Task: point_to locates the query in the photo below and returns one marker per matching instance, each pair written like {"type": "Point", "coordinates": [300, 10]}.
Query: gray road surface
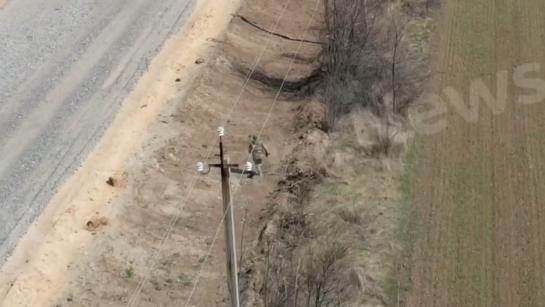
{"type": "Point", "coordinates": [65, 68]}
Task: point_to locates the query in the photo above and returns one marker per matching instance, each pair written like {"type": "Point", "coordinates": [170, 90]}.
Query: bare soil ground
{"type": "Point", "coordinates": [163, 184]}
{"type": "Point", "coordinates": [126, 243]}
{"type": "Point", "coordinates": [479, 187]}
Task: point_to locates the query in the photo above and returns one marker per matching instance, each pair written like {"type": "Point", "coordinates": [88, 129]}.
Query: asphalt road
{"type": "Point", "coordinates": [65, 68]}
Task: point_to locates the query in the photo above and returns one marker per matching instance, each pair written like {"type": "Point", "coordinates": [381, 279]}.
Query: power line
{"type": "Point", "coordinates": [277, 96]}
{"type": "Point", "coordinates": [134, 297]}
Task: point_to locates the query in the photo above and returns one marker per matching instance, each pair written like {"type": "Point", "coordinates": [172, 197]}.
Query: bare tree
{"type": "Point", "coordinates": [348, 32]}
{"type": "Point", "coordinates": [398, 25]}
{"type": "Point", "coordinates": [367, 57]}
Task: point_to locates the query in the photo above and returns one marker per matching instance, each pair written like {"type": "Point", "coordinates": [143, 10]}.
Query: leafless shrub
{"type": "Point", "coordinates": [385, 142]}
{"type": "Point", "coordinates": [312, 278]}
{"type": "Point", "coordinates": [321, 274]}
{"type": "Point", "coordinates": [348, 36]}
{"type": "Point", "coordinates": [367, 62]}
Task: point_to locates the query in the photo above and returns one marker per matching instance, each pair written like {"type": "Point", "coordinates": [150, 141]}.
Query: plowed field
{"type": "Point", "coordinates": [479, 186]}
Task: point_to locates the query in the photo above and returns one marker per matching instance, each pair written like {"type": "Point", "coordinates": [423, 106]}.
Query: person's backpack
{"type": "Point", "coordinates": [259, 149]}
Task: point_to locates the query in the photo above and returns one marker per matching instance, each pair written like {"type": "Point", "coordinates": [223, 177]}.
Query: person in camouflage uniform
{"type": "Point", "coordinates": [259, 152]}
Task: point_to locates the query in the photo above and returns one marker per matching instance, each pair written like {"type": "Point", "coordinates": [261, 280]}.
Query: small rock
{"type": "Point", "coordinates": [199, 61]}
{"type": "Point", "coordinates": [96, 223]}
{"type": "Point", "coordinates": [172, 157]}
{"type": "Point", "coordinates": [111, 181]}
{"type": "Point", "coordinates": [178, 80]}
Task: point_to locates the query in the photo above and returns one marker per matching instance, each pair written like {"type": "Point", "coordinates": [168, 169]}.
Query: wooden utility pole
{"type": "Point", "coordinates": [229, 222]}
{"type": "Point", "coordinates": [229, 218]}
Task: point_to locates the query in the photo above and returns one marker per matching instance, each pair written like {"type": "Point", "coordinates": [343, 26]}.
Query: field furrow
{"type": "Point", "coordinates": [479, 185]}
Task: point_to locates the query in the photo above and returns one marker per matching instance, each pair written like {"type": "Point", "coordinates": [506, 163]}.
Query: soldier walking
{"type": "Point", "coordinates": [259, 151]}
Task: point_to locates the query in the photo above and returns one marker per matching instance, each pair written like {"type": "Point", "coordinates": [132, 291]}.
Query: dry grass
{"type": "Point", "coordinates": [331, 241]}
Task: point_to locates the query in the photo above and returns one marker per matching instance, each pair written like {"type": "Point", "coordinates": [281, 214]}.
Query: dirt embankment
{"type": "Point", "coordinates": [154, 238]}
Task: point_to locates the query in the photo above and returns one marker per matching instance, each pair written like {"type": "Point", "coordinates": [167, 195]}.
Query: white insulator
{"type": "Point", "coordinates": [221, 131]}
{"type": "Point", "coordinates": [200, 167]}
{"type": "Point", "coordinates": [249, 167]}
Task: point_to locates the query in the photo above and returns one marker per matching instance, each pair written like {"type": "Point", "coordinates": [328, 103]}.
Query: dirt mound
{"type": "Point", "coordinates": [96, 223]}
{"type": "Point", "coordinates": [293, 63]}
